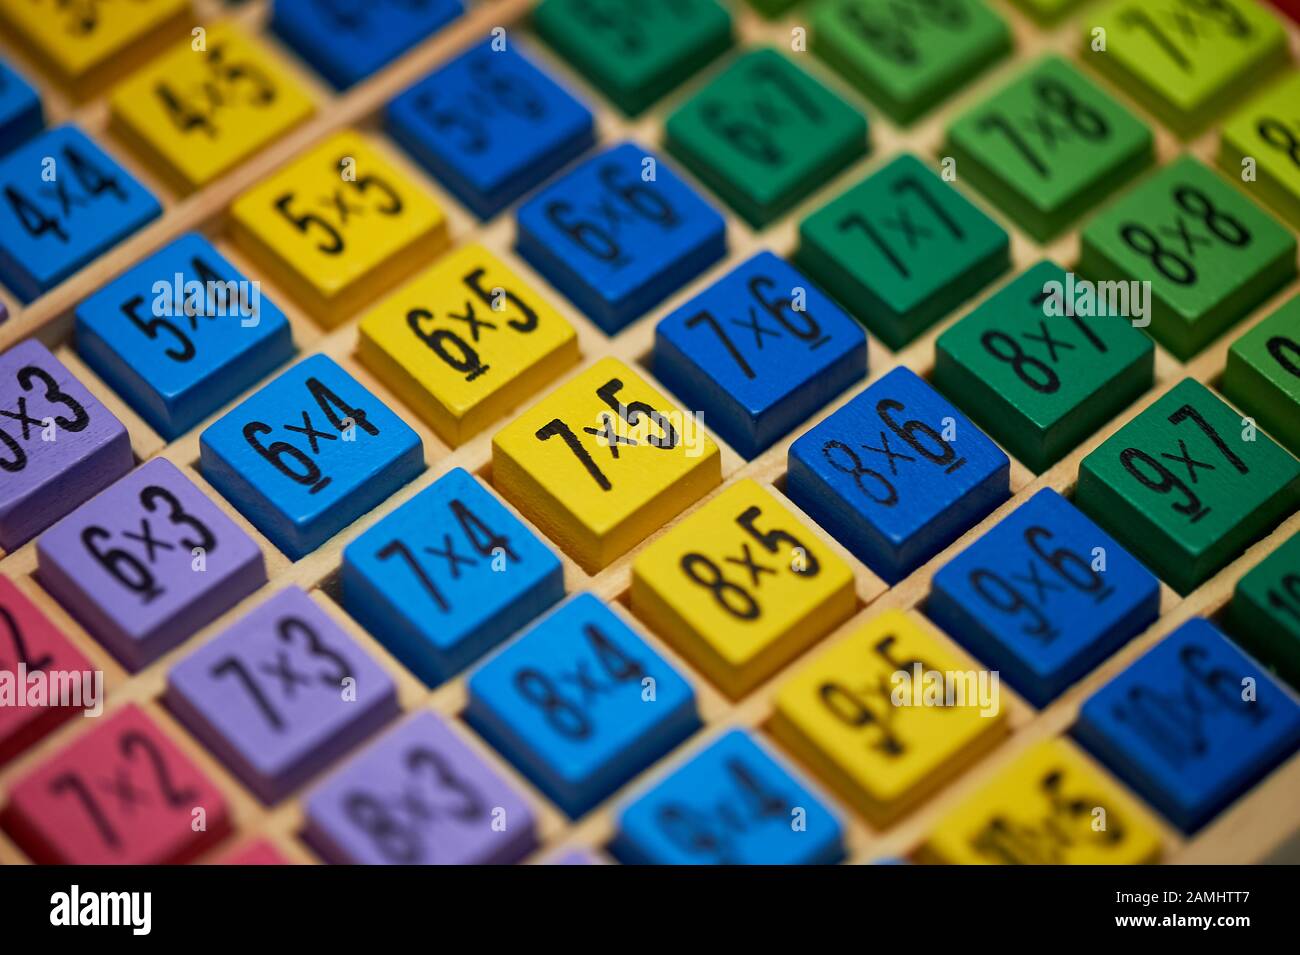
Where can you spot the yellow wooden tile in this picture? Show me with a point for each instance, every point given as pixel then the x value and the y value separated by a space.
pixel 602 462
pixel 198 111
pixel 1267 131
pixel 741 587
pixel 1184 61
pixel 466 341
pixel 1050 806
pixel 91 43
pixel 860 725
pixel 339 226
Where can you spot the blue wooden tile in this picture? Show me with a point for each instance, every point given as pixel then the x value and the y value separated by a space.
pixel 308 454
pixel 447 576
pixel 732 803
pixel 580 703
pixel 63 202
pixel 1044 597
pixel 490 125
pixel 347 40
pixel 620 233
pixel 1192 724
pixel 21 116
pixel 758 352
pixel 897 474
pixel 181 334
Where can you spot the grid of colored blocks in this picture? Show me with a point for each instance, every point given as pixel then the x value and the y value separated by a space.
pixel 741 587
pixel 308 454
pixel 602 462
pixel 447 576
pixel 1263 374
pixel 66 203
pixel 764 134
pixel 904 57
pixel 758 352
pixel 34 643
pixel 619 233
pixel 897 474
pixel 1180 487
pixel 281 693
pixel 713 669
pixel 490 125
pixel 338 226
pixel 1264 616
pixel 580 703
pixel 347 42
pixel 181 334
pixel 634 52
pixel 1051 806
pixel 1184 62
pixel 1264 136
pixel 901 249
pixel 450 806
pixel 1044 597
pixel 121 793
pixel 45 479
pixel 21 116
pixel 732 803
pixel 1191 724
pixel 840 715
pixel 1209 253
pixel 193 115
pixel 148 562
pixel 465 341
pixel 1042 364
pixel 88 48
pixel 1049 147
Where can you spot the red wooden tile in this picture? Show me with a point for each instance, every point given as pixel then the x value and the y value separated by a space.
pixel 120 794
pixel 42 675
pixel 1290 7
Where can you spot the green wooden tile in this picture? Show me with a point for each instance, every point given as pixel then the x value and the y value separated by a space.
pixel 906 56
pixel 1263 374
pixel 1264 616
pixel 772 8
pixel 901 249
pixel 1049 147
pixel 634 51
pixel 1185 60
pixel 1186 487
pixel 1209 252
pixel 763 134
pixel 1038 373
pixel 1048 11
pixel 1267 130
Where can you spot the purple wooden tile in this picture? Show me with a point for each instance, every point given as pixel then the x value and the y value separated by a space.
pixel 148 562
pixel 419 796
pixel 281 693
pixel 58 445
pixel 575 857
